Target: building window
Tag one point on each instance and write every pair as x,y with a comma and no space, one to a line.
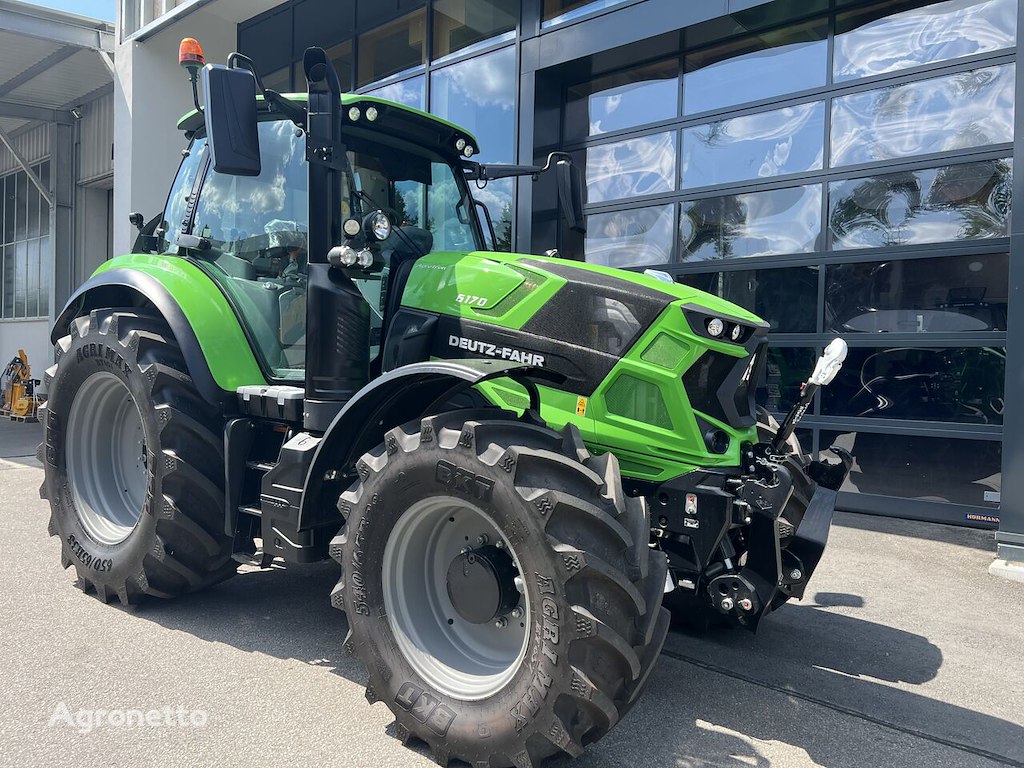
873,41
561,11
941,114
461,26
631,168
397,46
786,298
969,201
629,238
946,294
756,146
623,100
778,221
26,246
771,63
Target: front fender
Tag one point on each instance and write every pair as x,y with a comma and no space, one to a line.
397,397
212,341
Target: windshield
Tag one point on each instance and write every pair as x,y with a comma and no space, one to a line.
258,226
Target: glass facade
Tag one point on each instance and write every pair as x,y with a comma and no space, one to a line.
848,173
25,245
836,166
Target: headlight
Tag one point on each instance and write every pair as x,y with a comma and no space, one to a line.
364,258
469,150
371,113
353,114
460,144
379,225
715,327
351,227
347,256
736,332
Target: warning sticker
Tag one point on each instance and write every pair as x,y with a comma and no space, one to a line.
581,406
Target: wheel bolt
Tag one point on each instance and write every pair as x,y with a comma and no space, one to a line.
501,622
746,604
727,604
499,544
482,539
796,574
520,584
517,612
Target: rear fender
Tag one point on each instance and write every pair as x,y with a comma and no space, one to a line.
397,397
214,346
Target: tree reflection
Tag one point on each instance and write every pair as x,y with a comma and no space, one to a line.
751,224
955,202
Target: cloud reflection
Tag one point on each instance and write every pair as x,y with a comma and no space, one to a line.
937,32
641,166
968,109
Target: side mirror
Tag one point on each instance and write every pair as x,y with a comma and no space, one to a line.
571,194
231,127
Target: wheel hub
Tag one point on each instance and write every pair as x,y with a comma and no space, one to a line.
481,584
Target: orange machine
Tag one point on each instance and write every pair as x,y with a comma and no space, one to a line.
20,399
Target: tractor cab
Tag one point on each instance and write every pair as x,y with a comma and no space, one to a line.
403,195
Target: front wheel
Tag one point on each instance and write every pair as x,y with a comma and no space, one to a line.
133,462
499,588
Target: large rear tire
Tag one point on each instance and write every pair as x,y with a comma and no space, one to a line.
133,461
553,673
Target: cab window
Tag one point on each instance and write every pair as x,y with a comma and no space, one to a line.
257,231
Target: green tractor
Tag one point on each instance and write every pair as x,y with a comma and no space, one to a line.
514,459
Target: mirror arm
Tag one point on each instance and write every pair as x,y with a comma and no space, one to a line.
235,58
293,110
488,172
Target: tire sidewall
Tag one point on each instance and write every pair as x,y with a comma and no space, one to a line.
98,352
525,704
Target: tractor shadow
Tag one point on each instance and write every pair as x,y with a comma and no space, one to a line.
820,686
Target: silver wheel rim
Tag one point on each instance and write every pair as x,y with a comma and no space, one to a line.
463,660
105,457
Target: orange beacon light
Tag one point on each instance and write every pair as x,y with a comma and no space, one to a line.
190,55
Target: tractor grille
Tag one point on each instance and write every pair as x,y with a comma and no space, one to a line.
639,400
722,387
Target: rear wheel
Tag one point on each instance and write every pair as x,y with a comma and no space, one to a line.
499,588
133,461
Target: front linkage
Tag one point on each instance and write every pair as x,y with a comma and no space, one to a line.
743,541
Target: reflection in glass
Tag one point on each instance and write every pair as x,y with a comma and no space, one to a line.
480,95
393,47
961,384
641,166
766,144
560,11
955,202
498,196
751,224
951,294
787,369
932,468
460,25
785,298
341,56
944,114
630,238
409,92
626,99
768,64
875,40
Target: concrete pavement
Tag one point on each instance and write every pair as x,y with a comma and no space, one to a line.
907,654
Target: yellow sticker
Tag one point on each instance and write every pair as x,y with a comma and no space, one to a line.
581,406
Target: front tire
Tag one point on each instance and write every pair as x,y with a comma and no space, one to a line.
549,675
133,465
